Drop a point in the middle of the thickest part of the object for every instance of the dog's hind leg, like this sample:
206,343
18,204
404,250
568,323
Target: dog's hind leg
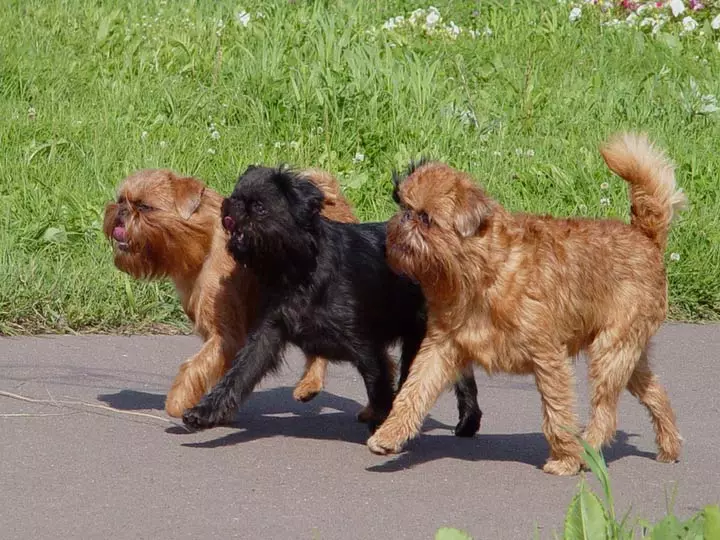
375,369
313,379
260,356
645,386
469,411
612,362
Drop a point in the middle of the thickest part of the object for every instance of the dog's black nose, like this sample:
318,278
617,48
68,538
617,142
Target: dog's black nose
228,223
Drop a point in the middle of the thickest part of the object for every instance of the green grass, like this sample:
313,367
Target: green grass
81,81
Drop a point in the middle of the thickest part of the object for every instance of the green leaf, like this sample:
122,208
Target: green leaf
596,462
55,235
104,28
711,528
585,519
670,40
448,533
667,529
356,181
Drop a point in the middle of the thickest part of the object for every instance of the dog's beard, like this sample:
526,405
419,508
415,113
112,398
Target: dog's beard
427,261
273,254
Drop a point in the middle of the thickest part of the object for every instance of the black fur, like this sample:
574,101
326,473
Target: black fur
325,287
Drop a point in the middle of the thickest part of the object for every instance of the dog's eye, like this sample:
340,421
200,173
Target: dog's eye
142,207
424,218
258,208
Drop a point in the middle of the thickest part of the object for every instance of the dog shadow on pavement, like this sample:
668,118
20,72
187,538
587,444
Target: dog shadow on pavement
134,400
270,413
274,412
529,448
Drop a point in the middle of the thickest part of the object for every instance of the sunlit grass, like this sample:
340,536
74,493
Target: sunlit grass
90,92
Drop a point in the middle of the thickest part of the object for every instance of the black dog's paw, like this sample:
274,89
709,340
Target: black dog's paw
206,415
469,424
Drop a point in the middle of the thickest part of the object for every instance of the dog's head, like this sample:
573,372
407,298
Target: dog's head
441,209
161,224
272,217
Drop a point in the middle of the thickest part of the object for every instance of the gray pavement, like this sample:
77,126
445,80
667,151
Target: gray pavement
291,470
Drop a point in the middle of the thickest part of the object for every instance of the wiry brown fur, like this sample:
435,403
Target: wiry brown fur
181,237
523,294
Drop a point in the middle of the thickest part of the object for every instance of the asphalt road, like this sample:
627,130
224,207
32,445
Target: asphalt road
291,470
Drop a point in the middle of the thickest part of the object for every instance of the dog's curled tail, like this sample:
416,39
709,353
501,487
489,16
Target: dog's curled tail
654,196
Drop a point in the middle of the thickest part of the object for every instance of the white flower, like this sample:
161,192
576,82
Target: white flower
454,29
575,14
604,185
242,17
519,152
530,152
604,201
163,144
433,17
708,104
487,32
415,15
473,33
689,24
674,256
279,144
632,19
389,24
144,135
214,134
31,113
260,15
497,153
294,145
359,156
677,7
715,24
211,151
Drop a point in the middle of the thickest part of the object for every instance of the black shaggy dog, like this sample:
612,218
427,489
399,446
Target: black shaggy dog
324,287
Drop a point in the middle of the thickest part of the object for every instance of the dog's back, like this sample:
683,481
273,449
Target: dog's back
360,288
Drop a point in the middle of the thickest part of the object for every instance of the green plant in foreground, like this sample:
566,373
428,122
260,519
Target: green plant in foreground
590,518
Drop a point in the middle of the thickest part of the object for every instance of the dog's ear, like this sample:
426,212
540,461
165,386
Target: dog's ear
471,211
188,196
398,178
306,199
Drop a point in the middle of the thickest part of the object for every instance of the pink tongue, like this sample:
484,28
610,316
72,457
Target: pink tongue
119,234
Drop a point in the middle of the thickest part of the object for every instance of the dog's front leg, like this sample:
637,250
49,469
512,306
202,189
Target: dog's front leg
195,377
434,368
261,355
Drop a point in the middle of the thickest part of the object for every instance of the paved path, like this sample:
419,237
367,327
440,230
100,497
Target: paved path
288,470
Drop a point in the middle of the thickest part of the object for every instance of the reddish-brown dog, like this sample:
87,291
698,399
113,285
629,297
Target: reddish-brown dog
523,294
167,226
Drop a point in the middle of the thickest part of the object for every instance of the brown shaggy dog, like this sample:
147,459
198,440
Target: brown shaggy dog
167,226
523,294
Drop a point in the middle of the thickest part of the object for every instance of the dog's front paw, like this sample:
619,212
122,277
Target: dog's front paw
207,415
378,444
568,466
469,424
